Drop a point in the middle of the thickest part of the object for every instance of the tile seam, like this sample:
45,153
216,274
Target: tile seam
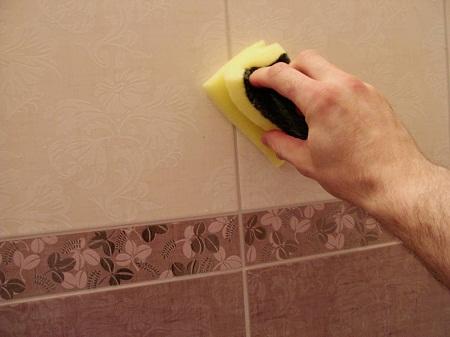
238,191
322,255
447,61
161,221
120,226
117,288
241,270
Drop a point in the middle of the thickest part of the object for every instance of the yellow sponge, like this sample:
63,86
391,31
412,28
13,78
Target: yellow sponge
227,90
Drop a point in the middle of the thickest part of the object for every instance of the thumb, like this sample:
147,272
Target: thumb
292,149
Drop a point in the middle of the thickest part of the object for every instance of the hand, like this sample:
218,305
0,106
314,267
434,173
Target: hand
356,149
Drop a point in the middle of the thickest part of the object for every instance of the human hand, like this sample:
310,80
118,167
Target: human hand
356,149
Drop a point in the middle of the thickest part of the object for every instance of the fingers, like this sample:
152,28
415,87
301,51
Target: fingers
315,66
288,82
292,149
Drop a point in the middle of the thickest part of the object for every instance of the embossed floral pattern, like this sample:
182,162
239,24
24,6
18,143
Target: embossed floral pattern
88,260
97,106
282,233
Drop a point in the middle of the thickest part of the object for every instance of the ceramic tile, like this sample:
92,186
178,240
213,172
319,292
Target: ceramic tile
447,33
209,306
398,46
380,292
64,263
283,233
103,118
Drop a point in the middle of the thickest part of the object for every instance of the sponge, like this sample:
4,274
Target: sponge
255,110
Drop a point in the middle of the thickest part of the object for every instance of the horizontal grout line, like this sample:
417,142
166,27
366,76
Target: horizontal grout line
125,225
322,255
120,287
197,276
159,221
299,204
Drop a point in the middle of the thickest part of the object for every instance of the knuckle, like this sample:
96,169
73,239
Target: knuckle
277,69
307,53
354,84
291,89
325,98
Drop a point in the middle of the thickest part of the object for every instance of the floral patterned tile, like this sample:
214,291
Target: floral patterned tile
56,264
283,233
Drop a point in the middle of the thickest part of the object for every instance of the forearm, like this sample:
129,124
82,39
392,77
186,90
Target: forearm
418,212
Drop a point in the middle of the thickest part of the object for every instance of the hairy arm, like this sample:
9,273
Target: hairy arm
359,151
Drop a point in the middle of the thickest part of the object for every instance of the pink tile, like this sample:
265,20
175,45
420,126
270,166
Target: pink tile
283,233
210,306
380,292
68,262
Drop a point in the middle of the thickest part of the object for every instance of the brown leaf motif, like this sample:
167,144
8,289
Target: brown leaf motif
100,239
199,241
115,276
253,231
8,288
58,265
179,269
149,233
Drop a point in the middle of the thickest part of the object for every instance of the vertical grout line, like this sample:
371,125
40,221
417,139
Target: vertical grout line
238,191
447,61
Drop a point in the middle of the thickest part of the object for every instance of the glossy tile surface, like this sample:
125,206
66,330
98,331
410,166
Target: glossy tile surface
89,260
283,233
398,46
204,307
382,292
103,119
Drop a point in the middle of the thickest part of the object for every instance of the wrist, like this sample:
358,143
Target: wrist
401,191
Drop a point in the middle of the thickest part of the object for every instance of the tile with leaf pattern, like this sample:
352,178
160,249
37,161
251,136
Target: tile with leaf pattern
283,233
55,264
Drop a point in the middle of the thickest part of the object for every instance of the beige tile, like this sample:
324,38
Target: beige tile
447,33
204,307
382,292
288,232
87,260
398,46
103,118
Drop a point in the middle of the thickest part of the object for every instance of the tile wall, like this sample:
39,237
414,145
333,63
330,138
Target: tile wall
130,207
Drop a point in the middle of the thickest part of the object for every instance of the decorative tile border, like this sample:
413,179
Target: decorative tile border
87,260
283,233
68,262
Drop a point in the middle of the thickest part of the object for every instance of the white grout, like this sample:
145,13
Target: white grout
298,204
243,270
119,226
322,255
120,287
447,53
238,191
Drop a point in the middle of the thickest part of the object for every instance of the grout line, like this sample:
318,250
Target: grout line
322,255
238,191
244,278
169,220
447,61
297,204
118,226
124,286
242,270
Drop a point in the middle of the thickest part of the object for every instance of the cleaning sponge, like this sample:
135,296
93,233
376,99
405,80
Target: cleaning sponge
255,110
